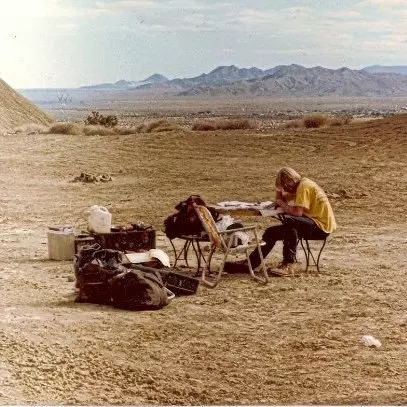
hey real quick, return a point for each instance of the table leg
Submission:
(183, 252)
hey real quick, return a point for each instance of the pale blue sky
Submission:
(70, 43)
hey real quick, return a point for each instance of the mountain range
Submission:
(123, 84)
(386, 69)
(280, 81)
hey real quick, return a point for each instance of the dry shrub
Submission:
(158, 126)
(140, 128)
(239, 124)
(340, 120)
(314, 121)
(74, 129)
(31, 128)
(98, 131)
(65, 128)
(124, 131)
(293, 124)
(202, 126)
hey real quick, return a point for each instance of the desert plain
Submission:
(292, 341)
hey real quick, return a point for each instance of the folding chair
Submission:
(219, 243)
(309, 255)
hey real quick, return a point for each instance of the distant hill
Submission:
(280, 81)
(298, 81)
(386, 69)
(16, 110)
(123, 84)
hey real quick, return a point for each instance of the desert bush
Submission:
(340, 120)
(314, 121)
(65, 128)
(239, 124)
(91, 130)
(293, 124)
(202, 126)
(125, 130)
(158, 126)
(31, 128)
(98, 119)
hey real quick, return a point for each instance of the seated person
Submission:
(309, 215)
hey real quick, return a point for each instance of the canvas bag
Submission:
(139, 290)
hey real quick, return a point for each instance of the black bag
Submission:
(185, 221)
(138, 290)
(94, 267)
(103, 279)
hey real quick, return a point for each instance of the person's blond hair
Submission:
(287, 178)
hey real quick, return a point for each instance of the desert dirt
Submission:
(293, 341)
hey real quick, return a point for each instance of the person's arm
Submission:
(290, 210)
(279, 194)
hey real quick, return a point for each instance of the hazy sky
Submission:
(70, 43)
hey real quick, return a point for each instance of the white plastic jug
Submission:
(100, 220)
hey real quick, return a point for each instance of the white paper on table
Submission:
(236, 204)
(246, 205)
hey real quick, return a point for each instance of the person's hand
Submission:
(279, 203)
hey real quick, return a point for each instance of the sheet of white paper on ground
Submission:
(144, 257)
(271, 212)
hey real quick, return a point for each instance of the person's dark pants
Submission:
(292, 229)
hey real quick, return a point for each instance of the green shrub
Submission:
(98, 119)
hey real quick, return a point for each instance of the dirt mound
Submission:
(16, 110)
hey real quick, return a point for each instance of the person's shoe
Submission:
(283, 270)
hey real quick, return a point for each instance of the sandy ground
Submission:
(294, 341)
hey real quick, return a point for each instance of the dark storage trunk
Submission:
(128, 240)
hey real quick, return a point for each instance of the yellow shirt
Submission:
(316, 205)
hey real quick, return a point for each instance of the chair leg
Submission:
(175, 252)
(201, 260)
(205, 269)
(319, 254)
(309, 255)
(262, 265)
(198, 253)
(306, 253)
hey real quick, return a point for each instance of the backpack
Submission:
(138, 290)
(185, 221)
